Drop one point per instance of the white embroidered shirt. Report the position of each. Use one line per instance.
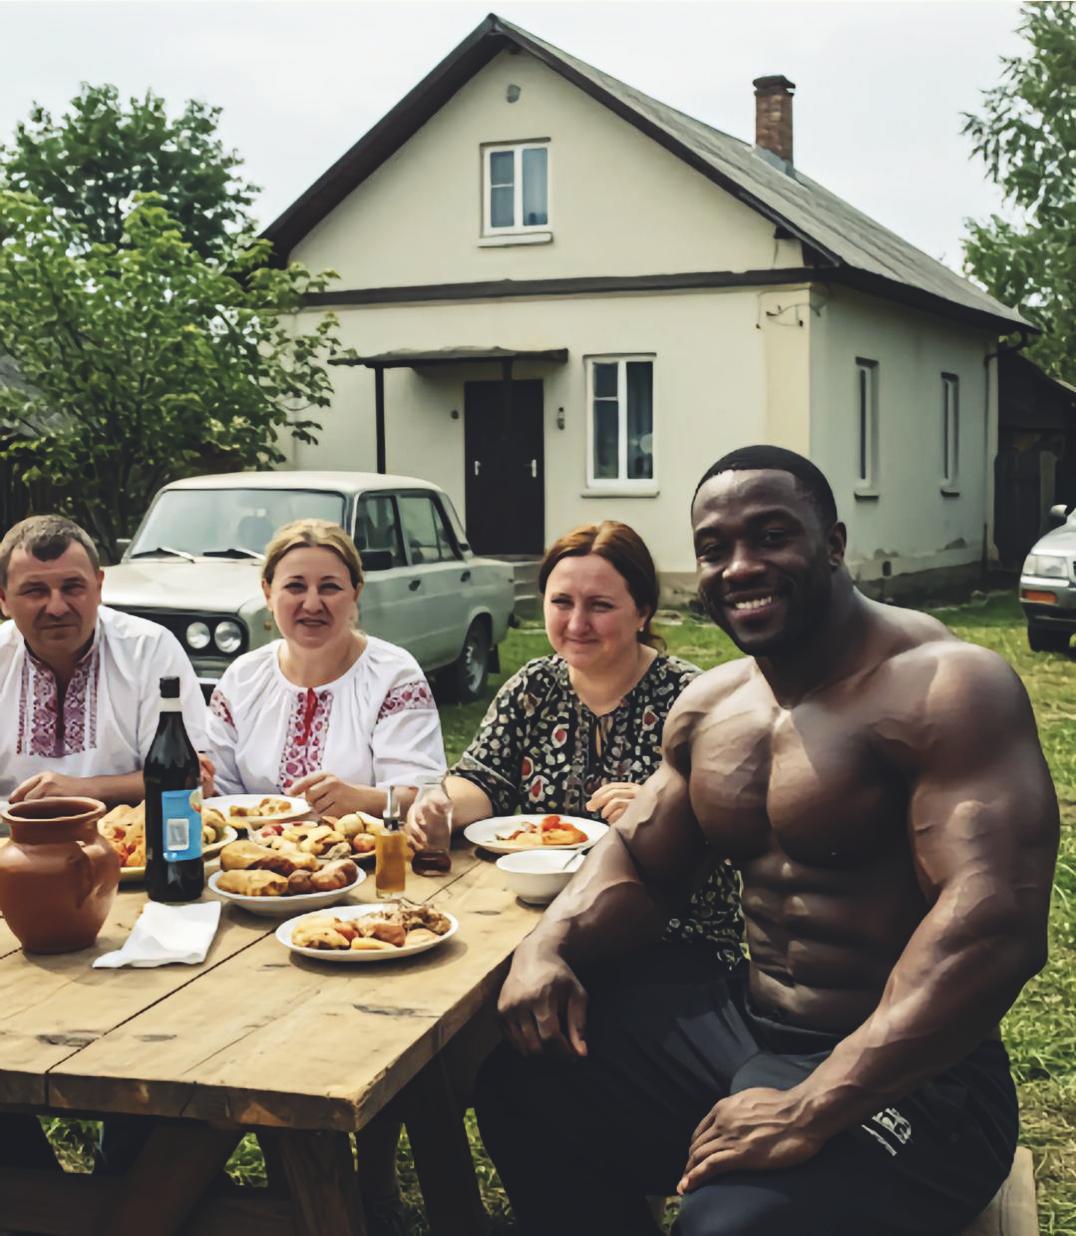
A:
(105, 721)
(375, 725)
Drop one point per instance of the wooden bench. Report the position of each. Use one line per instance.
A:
(1013, 1211)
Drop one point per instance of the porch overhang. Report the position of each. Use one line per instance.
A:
(414, 358)
(408, 358)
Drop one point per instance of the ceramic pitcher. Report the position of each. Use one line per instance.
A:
(58, 875)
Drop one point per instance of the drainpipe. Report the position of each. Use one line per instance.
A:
(988, 459)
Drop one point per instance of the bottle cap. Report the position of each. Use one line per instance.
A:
(170, 688)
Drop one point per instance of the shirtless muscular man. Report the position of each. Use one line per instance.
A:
(880, 786)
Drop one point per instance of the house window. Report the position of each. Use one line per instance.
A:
(620, 398)
(950, 430)
(516, 188)
(866, 426)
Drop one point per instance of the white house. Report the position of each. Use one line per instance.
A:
(569, 299)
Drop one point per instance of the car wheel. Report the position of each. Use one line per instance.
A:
(1045, 639)
(465, 679)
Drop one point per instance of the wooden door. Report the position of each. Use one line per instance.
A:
(503, 447)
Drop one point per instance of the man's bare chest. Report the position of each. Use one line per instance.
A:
(808, 782)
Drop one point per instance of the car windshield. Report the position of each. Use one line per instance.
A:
(198, 521)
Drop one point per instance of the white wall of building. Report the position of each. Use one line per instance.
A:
(620, 204)
(710, 395)
(911, 523)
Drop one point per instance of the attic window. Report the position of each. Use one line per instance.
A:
(515, 189)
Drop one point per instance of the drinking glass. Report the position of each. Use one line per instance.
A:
(434, 857)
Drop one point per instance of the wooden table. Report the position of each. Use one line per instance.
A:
(302, 1052)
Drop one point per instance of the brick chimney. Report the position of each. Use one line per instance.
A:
(773, 115)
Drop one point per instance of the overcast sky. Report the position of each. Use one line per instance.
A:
(880, 85)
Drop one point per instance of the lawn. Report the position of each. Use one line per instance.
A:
(1040, 1031)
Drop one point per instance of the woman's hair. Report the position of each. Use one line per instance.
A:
(312, 534)
(624, 549)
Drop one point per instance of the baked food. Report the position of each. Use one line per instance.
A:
(253, 883)
(550, 830)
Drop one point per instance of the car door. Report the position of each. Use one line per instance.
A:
(390, 606)
(441, 574)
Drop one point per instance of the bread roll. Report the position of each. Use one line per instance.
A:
(253, 883)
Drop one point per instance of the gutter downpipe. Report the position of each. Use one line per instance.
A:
(990, 366)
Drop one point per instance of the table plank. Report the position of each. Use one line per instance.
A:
(52, 1006)
(267, 1039)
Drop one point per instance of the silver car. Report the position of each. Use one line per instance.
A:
(194, 566)
(1048, 586)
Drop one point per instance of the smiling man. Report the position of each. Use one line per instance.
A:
(880, 786)
(79, 682)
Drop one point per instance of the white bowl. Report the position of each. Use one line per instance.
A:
(537, 876)
(284, 907)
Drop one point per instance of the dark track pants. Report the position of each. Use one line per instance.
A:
(579, 1144)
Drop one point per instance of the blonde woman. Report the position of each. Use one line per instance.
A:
(326, 712)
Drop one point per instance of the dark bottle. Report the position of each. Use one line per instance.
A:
(175, 869)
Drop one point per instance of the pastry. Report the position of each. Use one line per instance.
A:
(253, 883)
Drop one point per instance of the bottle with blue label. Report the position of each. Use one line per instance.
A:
(175, 868)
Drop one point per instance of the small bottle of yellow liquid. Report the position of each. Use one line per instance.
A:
(390, 873)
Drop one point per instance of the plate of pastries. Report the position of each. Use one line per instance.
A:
(253, 810)
(347, 836)
(282, 882)
(125, 830)
(385, 932)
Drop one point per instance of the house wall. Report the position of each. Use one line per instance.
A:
(711, 390)
(619, 203)
(911, 524)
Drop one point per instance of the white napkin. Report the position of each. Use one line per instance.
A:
(164, 934)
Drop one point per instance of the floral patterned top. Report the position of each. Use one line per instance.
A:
(540, 748)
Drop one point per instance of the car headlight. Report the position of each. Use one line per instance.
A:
(228, 637)
(198, 636)
(1046, 566)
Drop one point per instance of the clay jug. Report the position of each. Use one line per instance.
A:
(58, 875)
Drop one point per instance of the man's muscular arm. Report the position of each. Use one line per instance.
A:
(615, 904)
(983, 829)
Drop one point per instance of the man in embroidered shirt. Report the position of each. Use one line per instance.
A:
(79, 682)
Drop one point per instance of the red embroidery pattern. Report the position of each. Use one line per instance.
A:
(218, 706)
(305, 738)
(408, 696)
(43, 714)
(80, 708)
(24, 692)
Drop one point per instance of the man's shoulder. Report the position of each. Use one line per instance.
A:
(716, 683)
(119, 626)
(942, 688)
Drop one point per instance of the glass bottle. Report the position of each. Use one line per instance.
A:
(175, 868)
(390, 871)
(434, 857)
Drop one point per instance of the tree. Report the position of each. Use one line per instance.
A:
(145, 362)
(1026, 133)
(92, 163)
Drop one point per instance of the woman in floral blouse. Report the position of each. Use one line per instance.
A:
(578, 732)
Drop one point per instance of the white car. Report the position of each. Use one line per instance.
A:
(194, 566)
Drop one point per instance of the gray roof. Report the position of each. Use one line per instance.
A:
(844, 244)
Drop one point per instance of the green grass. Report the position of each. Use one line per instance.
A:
(1040, 1031)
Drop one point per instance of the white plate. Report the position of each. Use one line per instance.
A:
(277, 907)
(484, 832)
(130, 874)
(297, 808)
(283, 934)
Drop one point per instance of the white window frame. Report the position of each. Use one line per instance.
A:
(534, 230)
(950, 427)
(865, 434)
(622, 484)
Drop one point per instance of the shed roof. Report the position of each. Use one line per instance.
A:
(411, 358)
(849, 245)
